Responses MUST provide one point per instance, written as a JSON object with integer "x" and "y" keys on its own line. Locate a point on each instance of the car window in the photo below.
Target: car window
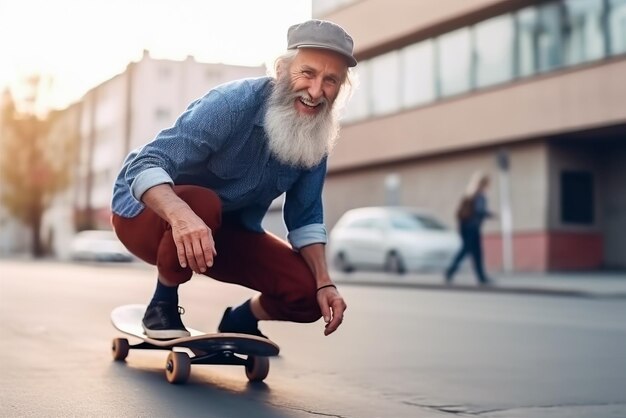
{"x": 365, "y": 223}
{"x": 411, "y": 222}
{"x": 430, "y": 223}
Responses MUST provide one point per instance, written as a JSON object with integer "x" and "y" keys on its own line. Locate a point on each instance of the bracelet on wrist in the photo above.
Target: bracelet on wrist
{"x": 325, "y": 286}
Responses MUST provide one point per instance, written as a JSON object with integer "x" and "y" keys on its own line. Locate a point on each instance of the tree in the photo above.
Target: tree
{"x": 36, "y": 158}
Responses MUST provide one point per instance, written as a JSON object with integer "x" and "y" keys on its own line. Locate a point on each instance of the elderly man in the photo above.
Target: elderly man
{"x": 192, "y": 200}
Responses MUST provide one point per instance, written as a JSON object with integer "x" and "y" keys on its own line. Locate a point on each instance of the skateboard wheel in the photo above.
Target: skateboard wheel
{"x": 257, "y": 368}
{"x": 177, "y": 367}
{"x": 119, "y": 349}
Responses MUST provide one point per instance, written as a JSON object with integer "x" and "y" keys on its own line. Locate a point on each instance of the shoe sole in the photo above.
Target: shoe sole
{"x": 166, "y": 334}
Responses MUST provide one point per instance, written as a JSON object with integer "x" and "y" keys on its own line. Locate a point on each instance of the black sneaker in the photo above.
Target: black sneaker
{"x": 162, "y": 321}
{"x": 228, "y": 325}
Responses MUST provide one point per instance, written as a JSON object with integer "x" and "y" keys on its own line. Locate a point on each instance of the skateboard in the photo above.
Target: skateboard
{"x": 249, "y": 351}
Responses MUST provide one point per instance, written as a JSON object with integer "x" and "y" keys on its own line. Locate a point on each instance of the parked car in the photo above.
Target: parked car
{"x": 98, "y": 245}
{"x": 394, "y": 239}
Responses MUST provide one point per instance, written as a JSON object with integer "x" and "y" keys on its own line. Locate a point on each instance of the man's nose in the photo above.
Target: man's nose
{"x": 315, "y": 89}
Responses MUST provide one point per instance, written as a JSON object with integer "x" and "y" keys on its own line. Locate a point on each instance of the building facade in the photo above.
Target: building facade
{"x": 530, "y": 92}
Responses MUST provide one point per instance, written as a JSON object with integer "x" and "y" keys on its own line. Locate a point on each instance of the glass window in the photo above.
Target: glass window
{"x": 161, "y": 113}
{"x": 549, "y": 44}
{"x": 385, "y": 71}
{"x": 418, "y": 73}
{"x": 366, "y": 223}
{"x": 164, "y": 72}
{"x": 358, "y": 106}
{"x": 617, "y": 26}
{"x": 577, "y": 197}
{"x": 411, "y": 222}
{"x": 454, "y": 62}
{"x": 526, "y": 21}
{"x": 493, "y": 46}
{"x": 582, "y": 28}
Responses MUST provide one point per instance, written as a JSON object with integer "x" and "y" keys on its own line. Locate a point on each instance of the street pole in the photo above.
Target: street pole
{"x": 506, "y": 217}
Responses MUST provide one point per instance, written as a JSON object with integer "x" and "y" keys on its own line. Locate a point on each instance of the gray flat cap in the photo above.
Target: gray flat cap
{"x": 321, "y": 34}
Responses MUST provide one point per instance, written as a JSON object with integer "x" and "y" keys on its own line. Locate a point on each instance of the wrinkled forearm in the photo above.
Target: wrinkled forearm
{"x": 165, "y": 202}
{"x": 315, "y": 257}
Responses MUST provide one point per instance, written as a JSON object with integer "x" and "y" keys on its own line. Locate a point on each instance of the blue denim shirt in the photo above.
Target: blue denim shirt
{"x": 219, "y": 143}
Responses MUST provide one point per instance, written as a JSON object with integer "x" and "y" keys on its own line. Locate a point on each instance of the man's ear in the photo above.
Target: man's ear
{"x": 279, "y": 68}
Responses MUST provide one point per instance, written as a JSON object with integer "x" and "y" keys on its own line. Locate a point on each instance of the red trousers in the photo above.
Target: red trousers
{"x": 259, "y": 261}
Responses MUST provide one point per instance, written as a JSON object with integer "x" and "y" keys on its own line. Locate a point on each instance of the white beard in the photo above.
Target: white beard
{"x": 295, "y": 139}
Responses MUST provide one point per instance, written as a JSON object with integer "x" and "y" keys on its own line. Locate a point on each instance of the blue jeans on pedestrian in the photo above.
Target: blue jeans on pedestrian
{"x": 472, "y": 246}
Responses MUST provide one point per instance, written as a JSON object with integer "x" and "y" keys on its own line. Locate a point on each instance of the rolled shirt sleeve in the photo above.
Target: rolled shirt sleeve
{"x": 147, "y": 179}
{"x": 303, "y": 210}
{"x": 307, "y": 235}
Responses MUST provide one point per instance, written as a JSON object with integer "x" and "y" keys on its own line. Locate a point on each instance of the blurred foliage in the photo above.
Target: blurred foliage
{"x": 37, "y": 157}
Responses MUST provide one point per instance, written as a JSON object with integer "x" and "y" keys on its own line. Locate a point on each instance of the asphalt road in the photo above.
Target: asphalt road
{"x": 400, "y": 353}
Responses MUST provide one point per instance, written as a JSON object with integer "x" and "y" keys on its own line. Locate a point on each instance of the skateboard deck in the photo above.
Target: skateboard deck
{"x": 249, "y": 351}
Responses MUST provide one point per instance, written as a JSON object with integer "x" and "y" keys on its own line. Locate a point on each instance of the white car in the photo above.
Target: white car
{"x": 394, "y": 239}
{"x": 98, "y": 245}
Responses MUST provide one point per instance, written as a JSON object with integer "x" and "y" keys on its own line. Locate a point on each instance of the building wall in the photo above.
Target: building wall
{"x": 571, "y": 100}
{"x": 398, "y": 19}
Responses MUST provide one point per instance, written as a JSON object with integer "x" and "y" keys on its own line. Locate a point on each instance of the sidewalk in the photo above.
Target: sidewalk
{"x": 572, "y": 284}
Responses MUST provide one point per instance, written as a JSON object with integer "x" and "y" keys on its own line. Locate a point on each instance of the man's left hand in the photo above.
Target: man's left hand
{"x": 332, "y": 306}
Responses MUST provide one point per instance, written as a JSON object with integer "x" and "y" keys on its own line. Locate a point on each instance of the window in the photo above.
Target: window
{"x": 365, "y": 223}
{"x": 493, "y": 43}
{"x": 385, "y": 83}
{"x": 212, "y": 74}
{"x": 164, "y": 72}
{"x": 526, "y": 22}
{"x": 358, "y": 106}
{"x": 582, "y": 28}
{"x": 548, "y": 42}
{"x": 413, "y": 221}
{"x": 161, "y": 113}
{"x": 577, "y": 197}
{"x": 617, "y": 26}
{"x": 454, "y": 62}
{"x": 418, "y": 73}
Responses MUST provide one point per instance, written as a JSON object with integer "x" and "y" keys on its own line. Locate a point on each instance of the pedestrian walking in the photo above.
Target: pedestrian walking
{"x": 471, "y": 213}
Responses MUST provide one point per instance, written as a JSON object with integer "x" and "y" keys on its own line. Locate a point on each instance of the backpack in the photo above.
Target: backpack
{"x": 466, "y": 209}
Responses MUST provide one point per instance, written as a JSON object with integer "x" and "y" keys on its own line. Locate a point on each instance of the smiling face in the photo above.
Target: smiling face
{"x": 316, "y": 76}
{"x": 301, "y": 121}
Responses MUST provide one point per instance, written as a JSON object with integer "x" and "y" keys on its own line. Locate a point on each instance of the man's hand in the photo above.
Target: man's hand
{"x": 332, "y": 306}
{"x": 194, "y": 242}
{"x": 193, "y": 238}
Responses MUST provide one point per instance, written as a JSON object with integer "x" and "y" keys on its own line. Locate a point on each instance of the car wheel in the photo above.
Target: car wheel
{"x": 394, "y": 263}
{"x": 342, "y": 263}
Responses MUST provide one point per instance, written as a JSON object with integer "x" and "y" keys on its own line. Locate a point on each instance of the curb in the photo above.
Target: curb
{"x": 494, "y": 288}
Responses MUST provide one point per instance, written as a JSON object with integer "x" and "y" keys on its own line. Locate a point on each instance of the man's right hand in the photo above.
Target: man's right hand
{"x": 194, "y": 241}
{"x": 193, "y": 238}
